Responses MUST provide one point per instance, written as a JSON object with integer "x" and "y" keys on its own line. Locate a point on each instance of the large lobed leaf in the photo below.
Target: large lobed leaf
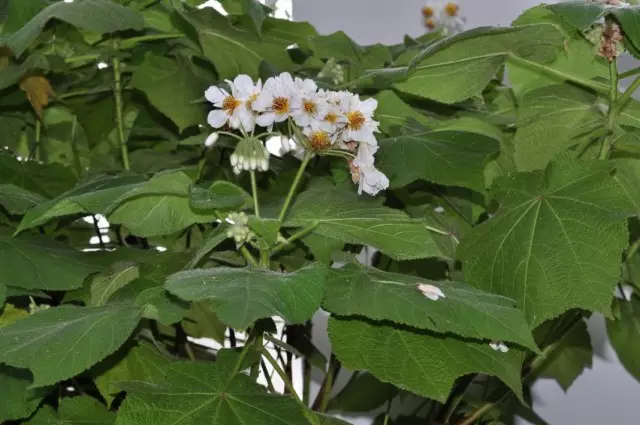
{"x": 345, "y": 216}
{"x": 419, "y": 362}
{"x": 98, "y": 16}
{"x": 75, "y": 411}
{"x": 18, "y": 400}
{"x": 37, "y": 262}
{"x": 473, "y": 58}
{"x": 357, "y": 290}
{"x": 52, "y": 343}
{"x": 199, "y": 393}
{"x": 624, "y": 333}
{"x": 540, "y": 248}
{"x": 242, "y": 296}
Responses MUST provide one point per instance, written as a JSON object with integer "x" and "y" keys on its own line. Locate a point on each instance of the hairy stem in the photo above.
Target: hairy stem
{"x": 254, "y": 192}
{"x": 298, "y": 235}
{"x": 247, "y": 255}
{"x": 117, "y": 94}
{"x": 294, "y": 186}
{"x": 613, "y": 112}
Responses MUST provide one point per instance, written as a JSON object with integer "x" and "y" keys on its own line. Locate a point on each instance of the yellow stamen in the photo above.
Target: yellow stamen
{"x": 281, "y": 105}
{"x": 430, "y": 24}
{"x": 309, "y": 107}
{"x": 451, "y": 9}
{"x": 319, "y": 140}
{"x": 428, "y": 12}
{"x": 331, "y": 118}
{"x": 355, "y": 120}
{"x": 229, "y": 104}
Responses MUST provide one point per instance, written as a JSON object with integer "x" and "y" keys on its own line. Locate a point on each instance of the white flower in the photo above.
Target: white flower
{"x": 211, "y": 139}
{"x": 319, "y": 139}
{"x": 499, "y": 346}
{"x": 313, "y": 107}
{"x": 276, "y": 101}
{"x": 360, "y": 125}
{"x": 430, "y": 291}
{"x": 369, "y": 178}
{"x": 332, "y": 120}
{"x": 234, "y": 107}
{"x": 443, "y": 16}
{"x": 251, "y": 155}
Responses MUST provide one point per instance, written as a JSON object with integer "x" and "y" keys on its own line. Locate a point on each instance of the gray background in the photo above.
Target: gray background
{"x": 606, "y": 393}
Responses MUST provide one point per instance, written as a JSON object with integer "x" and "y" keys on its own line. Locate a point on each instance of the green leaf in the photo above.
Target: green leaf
{"x": 393, "y": 112}
{"x": 105, "y": 285}
{"x": 425, "y": 364}
{"x": 364, "y": 393}
{"x": 17, "y": 200}
{"x": 221, "y": 195}
{"x": 213, "y": 239}
{"x": 202, "y": 322}
{"x": 624, "y": 334}
{"x": 148, "y": 291}
{"x": 75, "y": 411}
{"x": 628, "y": 175}
{"x": 35, "y": 342}
{"x": 474, "y": 57}
{"x": 578, "y": 57}
{"x": 12, "y": 74}
{"x": 241, "y": 296}
{"x": 571, "y": 358}
{"x": 322, "y": 247}
{"x": 98, "y": 16}
{"x": 161, "y": 214}
{"x": 140, "y": 362}
{"x": 345, "y": 216}
{"x": 234, "y": 50}
{"x": 216, "y": 400}
{"x": 18, "y": 400}
{"x": 37, "y": 262}
{"x": 550, "y": 120}
{"x": 256, "y": 11}
{"x": 446, "y": 157}
{"x": 98, "y": 195}
{"x": 3, "y": 294}
{"x": 357, "y": 290}
{"x": 267, "y": 228}
{"x": 48, "y": 180}
{"x": 539, "y": 247}
{"x": 172, "y": 88}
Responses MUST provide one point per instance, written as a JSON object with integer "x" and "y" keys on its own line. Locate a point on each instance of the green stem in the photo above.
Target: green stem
{"x": 81, "y": 58}
{"x": 74, "y": 146}
{"x": 629, "y": 73}
{"x": 131, "y": 42}
{"x": 322, "y": 401}
{"x": 298, "y": 235}
{"x": 201, "y": 164}
{"x": 614, "y": 111}
{"x": 267, "y": 376}
{"x": 287, "y": 382}
{"x": 226, "y": 133}
{"x": 247, "y": 255}
{"x": 632, "y": 250}
{"x": 595, "y": 86}
{"x": 254, "y": 192}
{"x": 243, "y": 354}
{"x": 477, "y": 414}
{"x": 117, "y": 93}
{"x": 443, "y": 232}
{"x": 38, "y": 135}
{"x": 296, "y": 181}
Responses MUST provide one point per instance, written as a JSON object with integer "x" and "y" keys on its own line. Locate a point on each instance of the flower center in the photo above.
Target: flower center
{"x": 309, "y": 107}
{"x": 430, "y": 24}
{"x": 331, "y": 117}
{"x": 281, "y": 105}
{"x": 229, "y": 104}
{"x": 356, "y": 120}
{"x": 251, "y": 99}
{"x": 427, "y": 11}
{"x": 451, "y": 9}
{"x": 319, "y": 140}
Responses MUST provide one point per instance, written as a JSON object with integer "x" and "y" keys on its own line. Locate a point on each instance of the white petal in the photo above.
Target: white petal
{"x": 211, "y": 140}
{"x": 263, "y": 102}
{"x": 217, "y": 118}
{"x": 267, "y": 119}
{"x": 368, "y": 106}
{"x": 430, "y": 291}
{"x": 244, "y": 84}
{"x": 215, "y": 95}
{"x": 503, "y": 347}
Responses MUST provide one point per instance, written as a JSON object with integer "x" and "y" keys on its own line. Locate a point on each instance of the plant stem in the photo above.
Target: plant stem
{"x": 117, "y": 93}
{"x": 74, "y": 146}
{"x": 613, "y": 112}
{"x": 38, "y": 147}
{"x": 477, "y": 414}
{"x": 632, "y": 250}
{"x": 629, "y": 73}
{"x": 595, "y": 86}
{"x": 243, "y": 354}
{"x": 247, "y": 255}
{"x": 298, "y": 235}
{"x": 82, "y": 58}
{"x": 254, "y": 192}
{"x": 267, "y": 376}
{"x": 296, "y": 181}
{"x": 287, "y": 382}
{"x": 442, "y": 232}
{"x": 131, "y": 42}
{"x": 322, "y": 400}
{"x": 96, "y": 228}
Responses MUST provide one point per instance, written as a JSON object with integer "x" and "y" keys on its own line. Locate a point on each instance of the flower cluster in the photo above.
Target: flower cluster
{"x": 443, "y": 17}
{"x": 321, "y": 121}
{"x": 239, "y": 228}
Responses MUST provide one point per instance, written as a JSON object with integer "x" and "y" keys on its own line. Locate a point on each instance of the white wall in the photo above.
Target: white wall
{"x": 602, "y": 395}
